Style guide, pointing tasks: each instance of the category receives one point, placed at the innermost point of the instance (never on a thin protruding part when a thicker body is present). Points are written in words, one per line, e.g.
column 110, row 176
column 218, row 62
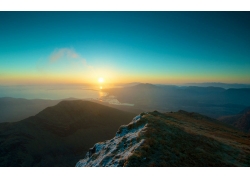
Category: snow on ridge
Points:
column 115, row 151
column 136, row 118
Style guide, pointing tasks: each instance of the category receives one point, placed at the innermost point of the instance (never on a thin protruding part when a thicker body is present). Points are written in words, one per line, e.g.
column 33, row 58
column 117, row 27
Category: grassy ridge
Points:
column 189, row 139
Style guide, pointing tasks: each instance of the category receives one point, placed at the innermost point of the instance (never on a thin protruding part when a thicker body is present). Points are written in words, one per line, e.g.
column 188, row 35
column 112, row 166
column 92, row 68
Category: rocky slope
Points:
column 115, row 151
column 172, row 139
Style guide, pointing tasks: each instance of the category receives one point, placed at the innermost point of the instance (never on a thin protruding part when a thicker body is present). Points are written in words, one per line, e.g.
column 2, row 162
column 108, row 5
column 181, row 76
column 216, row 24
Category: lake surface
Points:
column 53, row 92
column 57, row 92
column 112, row 100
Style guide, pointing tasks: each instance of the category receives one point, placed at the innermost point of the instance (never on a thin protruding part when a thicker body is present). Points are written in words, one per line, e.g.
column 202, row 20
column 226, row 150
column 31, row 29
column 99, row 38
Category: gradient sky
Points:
column 153, row 47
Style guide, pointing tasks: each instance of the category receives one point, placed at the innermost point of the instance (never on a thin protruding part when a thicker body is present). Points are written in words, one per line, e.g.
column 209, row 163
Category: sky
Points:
column 124, row 47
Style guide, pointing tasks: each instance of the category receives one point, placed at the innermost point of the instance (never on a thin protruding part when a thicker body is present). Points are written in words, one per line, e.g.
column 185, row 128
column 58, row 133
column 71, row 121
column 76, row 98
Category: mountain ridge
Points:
column 211, row 101
column 58, row 135
column 240, row 121
column 16, row 109
column 172, row 139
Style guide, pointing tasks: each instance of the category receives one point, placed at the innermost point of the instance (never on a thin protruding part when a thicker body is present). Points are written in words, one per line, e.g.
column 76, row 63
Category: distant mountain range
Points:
column 171, row 139
column 218, row 84
column 58, row 135
column 240, row 121
column 16, row 109
column 210, row 101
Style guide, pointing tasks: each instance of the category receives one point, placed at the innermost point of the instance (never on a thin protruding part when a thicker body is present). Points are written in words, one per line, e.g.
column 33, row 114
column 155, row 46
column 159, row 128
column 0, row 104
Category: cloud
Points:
column 63, row 52
column 63, row 55
column 70, row 54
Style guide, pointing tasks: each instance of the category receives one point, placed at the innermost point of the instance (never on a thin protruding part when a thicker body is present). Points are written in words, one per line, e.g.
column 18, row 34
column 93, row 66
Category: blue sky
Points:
column 155, row 47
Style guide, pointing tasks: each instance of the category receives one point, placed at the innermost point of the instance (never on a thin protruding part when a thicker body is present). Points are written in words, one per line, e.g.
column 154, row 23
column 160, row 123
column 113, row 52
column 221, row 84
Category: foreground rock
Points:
column 114, row 152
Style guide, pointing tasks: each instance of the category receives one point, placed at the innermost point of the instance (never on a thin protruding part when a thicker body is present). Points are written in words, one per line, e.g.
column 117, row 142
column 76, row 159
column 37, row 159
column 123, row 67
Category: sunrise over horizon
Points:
column 125, row 89
column 124, row 47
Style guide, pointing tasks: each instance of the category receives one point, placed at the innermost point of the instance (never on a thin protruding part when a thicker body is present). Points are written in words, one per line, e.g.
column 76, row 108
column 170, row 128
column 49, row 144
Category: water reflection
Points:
column 112, row 100
column 59, row 92
column 49, row 92
column 102, row 95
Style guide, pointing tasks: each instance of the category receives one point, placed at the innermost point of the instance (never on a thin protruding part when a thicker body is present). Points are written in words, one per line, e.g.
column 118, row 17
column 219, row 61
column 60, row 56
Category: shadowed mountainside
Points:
column 16, row 109
column 58, row 135
column 172, row 139
column 240, row 121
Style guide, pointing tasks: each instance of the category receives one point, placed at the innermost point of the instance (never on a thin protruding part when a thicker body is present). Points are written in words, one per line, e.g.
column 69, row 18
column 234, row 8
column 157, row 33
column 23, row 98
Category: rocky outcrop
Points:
column 171, row 139
column 116, row 151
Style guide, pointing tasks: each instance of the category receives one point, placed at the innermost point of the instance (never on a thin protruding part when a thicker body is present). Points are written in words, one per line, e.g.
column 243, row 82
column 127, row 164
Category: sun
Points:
column 100, row 80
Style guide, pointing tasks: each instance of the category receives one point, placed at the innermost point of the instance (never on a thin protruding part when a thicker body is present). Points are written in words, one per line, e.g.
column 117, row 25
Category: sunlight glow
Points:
column 100, row 80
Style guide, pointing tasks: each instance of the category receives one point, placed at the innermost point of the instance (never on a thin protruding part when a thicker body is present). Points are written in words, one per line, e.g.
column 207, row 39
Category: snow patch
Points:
column 136, row 118
column 116, row 151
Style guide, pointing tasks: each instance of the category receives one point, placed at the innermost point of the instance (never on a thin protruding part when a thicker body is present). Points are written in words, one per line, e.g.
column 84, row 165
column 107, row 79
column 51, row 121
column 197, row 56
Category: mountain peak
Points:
column 68, row 116
column 59, row 135
column 144, row 86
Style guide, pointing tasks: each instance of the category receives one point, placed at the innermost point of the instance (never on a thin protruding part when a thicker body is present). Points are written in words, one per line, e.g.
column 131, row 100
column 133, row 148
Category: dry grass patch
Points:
column 182, row 139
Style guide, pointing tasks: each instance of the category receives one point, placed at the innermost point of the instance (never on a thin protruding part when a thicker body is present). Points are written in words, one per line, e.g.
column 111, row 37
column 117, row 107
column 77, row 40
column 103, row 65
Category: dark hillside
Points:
column 58, row 135
column 16, row 109
column 240, row 121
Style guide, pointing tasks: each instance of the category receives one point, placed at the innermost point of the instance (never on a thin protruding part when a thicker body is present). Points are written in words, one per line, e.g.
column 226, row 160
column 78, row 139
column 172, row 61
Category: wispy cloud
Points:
column 71, row 55
column 60, row 55
column 63, row 52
